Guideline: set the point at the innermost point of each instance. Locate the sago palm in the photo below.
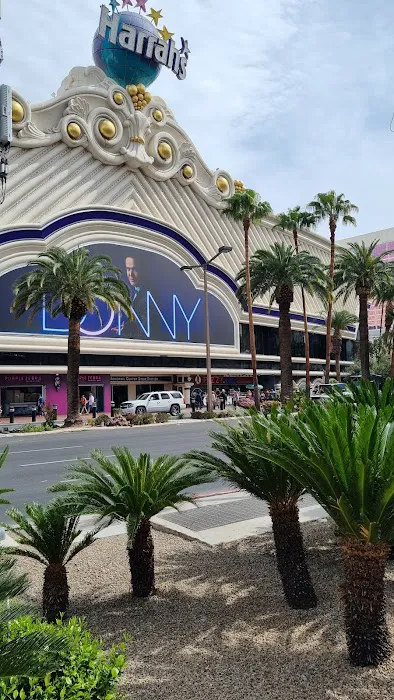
(293, 220)
(340, 321)
(344, 456)
(70, 283)
(132, 490)
(366, 393)
(34, 654)
(361, 272)
(49, 536)
(247, 208)
(234, 461)
(277, 271)
(336, 209)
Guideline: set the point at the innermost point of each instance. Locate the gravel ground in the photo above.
(218, 627)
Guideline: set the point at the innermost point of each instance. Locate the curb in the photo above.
(64, 431)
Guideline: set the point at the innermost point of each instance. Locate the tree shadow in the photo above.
(219, 626)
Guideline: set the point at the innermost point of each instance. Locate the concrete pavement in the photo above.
(220, 514)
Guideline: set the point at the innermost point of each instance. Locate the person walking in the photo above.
(40, 404)
(83, 404)
(223, 399)
(91, 402)
(236, 398)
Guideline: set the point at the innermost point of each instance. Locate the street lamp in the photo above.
(204, 266)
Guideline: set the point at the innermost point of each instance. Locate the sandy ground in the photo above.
(218, 628)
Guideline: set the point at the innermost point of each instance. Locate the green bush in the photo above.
(36, 428)
(147, 418)
(102, 420)
(162, 417)
(197, 415)
(85, 671)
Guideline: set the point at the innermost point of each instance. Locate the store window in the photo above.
(21, 398)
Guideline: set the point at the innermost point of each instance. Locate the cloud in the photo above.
(291, 96)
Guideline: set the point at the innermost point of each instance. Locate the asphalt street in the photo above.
(36, 461)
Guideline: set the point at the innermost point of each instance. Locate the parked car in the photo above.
(156, 402)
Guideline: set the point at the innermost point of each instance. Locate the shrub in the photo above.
(147, 418)
(197, 415)
(102, 420)
(209, 414)
(49, 415)
(245, 402)
(85, 671)
(118, 421)
(35, 428)
(162, 417)
(180, 416)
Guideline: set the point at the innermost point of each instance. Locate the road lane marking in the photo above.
(47, 449)
(57, 461)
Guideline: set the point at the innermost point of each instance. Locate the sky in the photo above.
(293, 97)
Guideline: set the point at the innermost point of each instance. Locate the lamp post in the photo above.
(204, 266)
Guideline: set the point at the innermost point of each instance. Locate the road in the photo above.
(37, 461)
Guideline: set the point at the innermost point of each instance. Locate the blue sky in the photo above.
(291, 96)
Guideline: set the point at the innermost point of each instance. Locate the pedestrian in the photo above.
(91, 402)
(223, 399)
(40, 404)
(236, 398)
(83, 403)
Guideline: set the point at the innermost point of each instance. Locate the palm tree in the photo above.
(133, 490)
(344, 456)
(340, 321)
(34, 654)
(335, 208)
(246, 207)
(359, 270)
(234, 461)
(70, 284)
(292, 221)
(50, 536)
(277, 271)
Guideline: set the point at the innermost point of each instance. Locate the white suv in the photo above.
(156, 402)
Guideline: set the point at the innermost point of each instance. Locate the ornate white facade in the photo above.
(85, 168)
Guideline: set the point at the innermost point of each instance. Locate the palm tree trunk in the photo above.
(252, 340)
(290, 556)
(141, 561)
(364, 336)
(381, 320)
(74, 352)
(55, 600)
(286, 374)
(337, 348)
(388, 317)
(306, 335)
(338, 366)
(363, 595)
(333, 227)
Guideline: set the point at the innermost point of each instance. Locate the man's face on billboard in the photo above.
(132, 271)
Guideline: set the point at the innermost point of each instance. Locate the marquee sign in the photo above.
(137, 40)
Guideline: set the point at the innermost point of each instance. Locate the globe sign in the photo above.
(122, 65)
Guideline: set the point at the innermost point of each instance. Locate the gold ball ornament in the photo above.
(187, 172)
(134, 99)
(107, 129)
(144, 103)
(132, 90)
(148, 97)
(157, 115)
(140, 96)
(74, 131)
(141, 88)
(18, 113)
(164, 150)
(222, 184)
(118, 98)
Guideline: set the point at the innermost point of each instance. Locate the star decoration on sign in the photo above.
(114, 4)
(126, 3)
(185, 47)
(166, 34)
(155, 15)
(141, 4)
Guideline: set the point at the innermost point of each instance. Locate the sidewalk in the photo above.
(213, 519)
